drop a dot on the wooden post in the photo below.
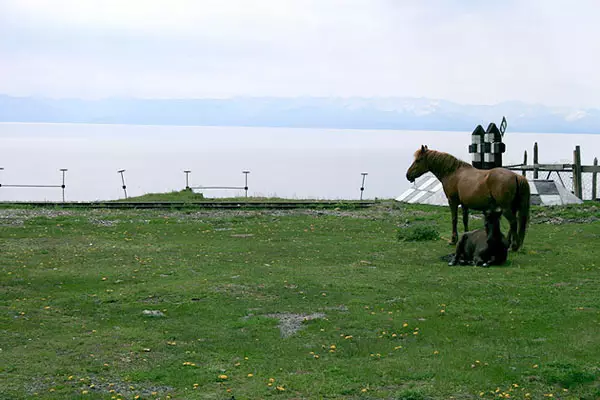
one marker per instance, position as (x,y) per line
(535,160)
(577,182)
(594,178)
(524,162)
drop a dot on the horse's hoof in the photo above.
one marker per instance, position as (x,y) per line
(485,265)
(451,264)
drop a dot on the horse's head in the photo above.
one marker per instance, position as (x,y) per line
(419,165)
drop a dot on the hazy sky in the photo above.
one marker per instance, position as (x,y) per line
(469,51)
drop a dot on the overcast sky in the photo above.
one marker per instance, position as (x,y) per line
(469,51)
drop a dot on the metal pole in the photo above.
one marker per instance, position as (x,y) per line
(362,186)
(63,170)
(187,182)
(246,181)
(1,169)
(123,180)
(524,173)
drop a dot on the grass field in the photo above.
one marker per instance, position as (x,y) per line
(302,304)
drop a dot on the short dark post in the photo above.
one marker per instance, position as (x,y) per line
(577,184)
(187,182)
(524,163)
(362,186)
(535,161)
(246,181)
(1,169)
(123,180)
(63,170)
(594,178)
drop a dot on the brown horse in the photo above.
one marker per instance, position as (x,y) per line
(476,189)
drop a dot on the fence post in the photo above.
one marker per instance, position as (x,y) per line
(524,163)
(577,182)
(535,161)
(594,177)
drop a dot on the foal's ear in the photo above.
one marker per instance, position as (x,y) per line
(423,148)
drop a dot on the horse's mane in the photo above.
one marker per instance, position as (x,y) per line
(441,163)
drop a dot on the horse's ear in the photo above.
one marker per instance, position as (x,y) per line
(423,148)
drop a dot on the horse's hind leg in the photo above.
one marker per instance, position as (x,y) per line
(454,211)
(465,215)
(513,237)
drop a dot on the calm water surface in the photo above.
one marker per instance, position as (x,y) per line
(284,162)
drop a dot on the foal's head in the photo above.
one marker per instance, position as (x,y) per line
(492,223)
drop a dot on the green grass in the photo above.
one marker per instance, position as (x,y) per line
(191,196)
(399,323)
(181,195)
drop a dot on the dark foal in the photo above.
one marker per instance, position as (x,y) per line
(483,247)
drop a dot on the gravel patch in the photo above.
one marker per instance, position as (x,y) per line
(289,323)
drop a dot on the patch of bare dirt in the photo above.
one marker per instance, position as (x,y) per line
(290,323)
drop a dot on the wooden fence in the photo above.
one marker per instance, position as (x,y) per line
(576,169)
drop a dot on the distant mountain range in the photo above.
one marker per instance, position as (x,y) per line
(306,112)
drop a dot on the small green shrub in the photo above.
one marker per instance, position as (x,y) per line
(411,395)
(417,233)
(567,375)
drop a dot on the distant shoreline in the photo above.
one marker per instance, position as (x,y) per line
(285,127)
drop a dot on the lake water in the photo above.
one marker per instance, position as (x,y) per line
(284,162)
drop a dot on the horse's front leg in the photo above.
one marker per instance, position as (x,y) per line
(454,211)
(465,214)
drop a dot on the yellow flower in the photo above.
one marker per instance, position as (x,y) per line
(280,388)
(364,390)
(535,365)
(404,325)
(348,337)
(271,380)
(223,376)
(332,347)
(436,352)
(250,375)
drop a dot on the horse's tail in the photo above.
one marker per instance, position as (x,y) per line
(521,205)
